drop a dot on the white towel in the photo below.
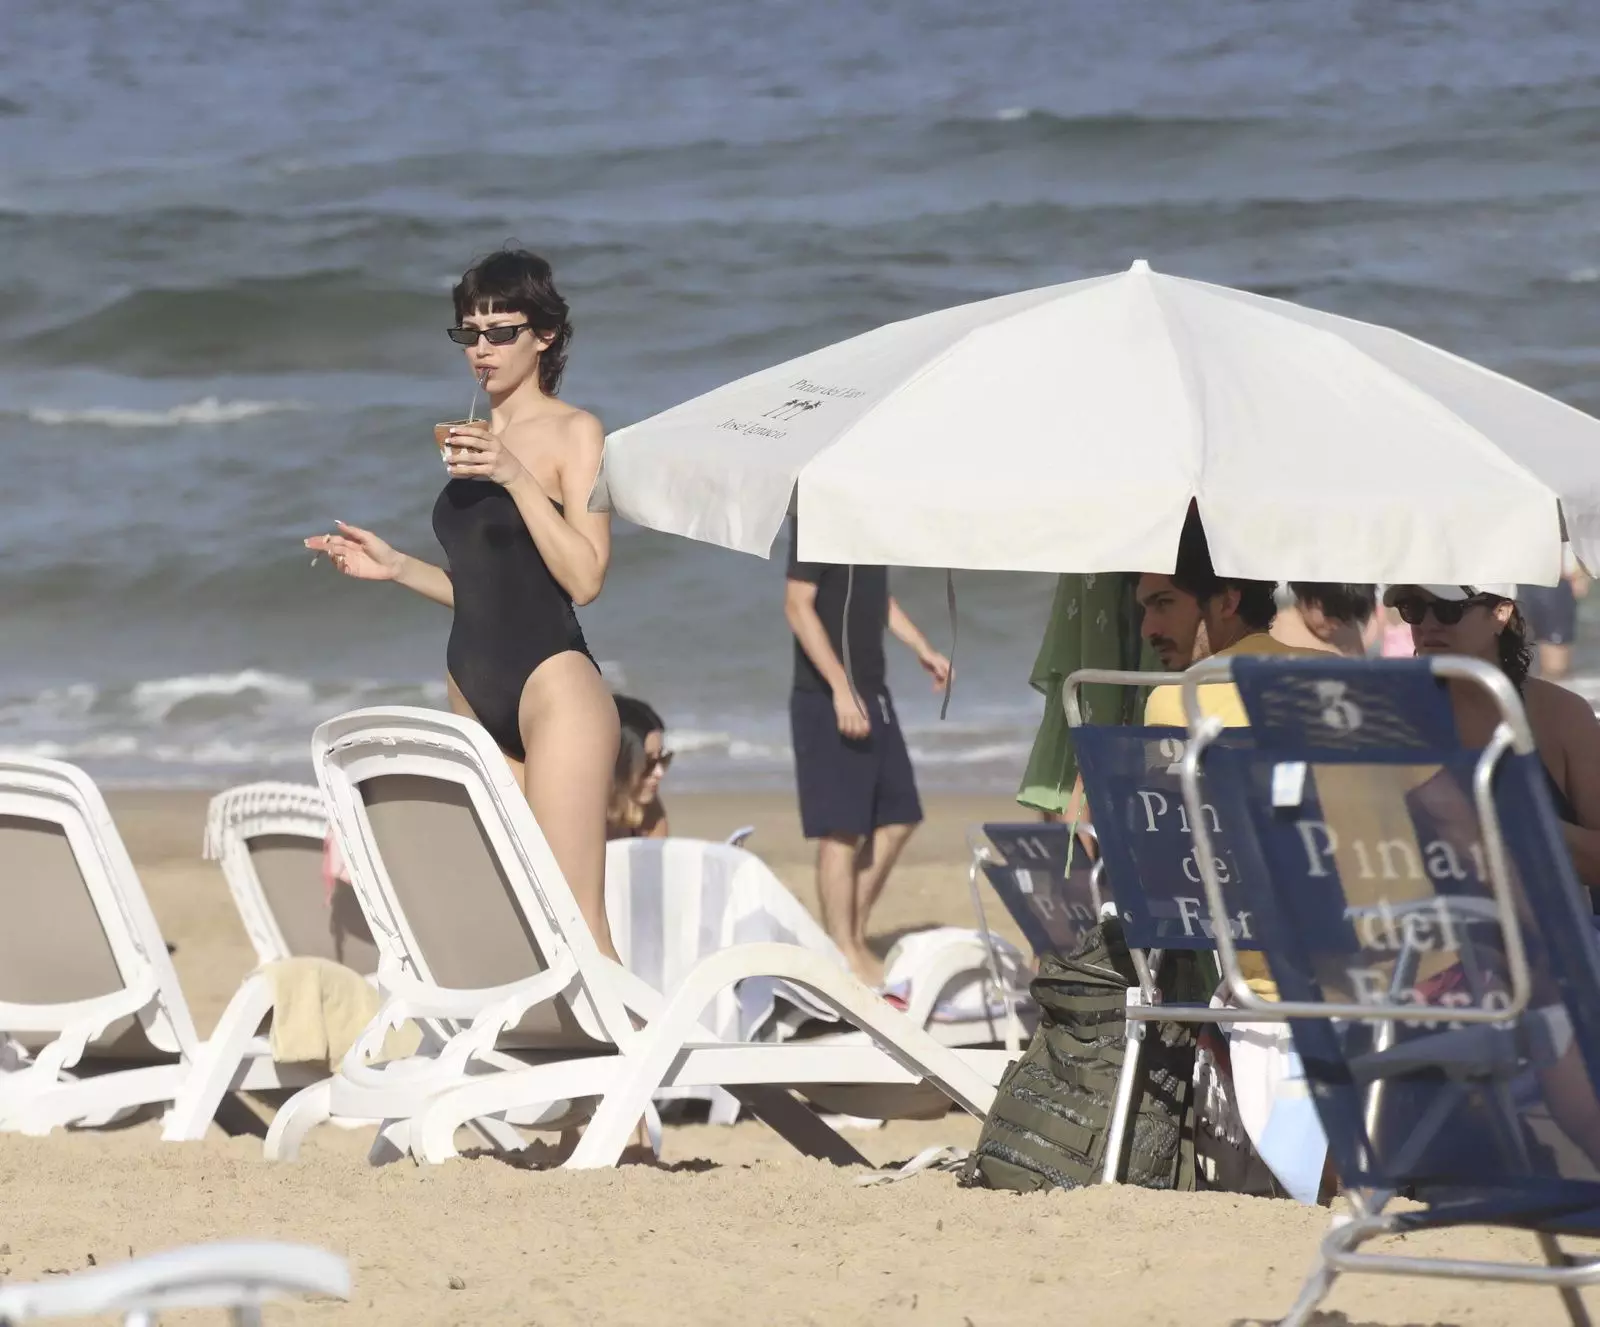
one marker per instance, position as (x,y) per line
(1275,1106)
(672,902)
(968,994)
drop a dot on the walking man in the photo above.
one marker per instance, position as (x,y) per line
(858,796)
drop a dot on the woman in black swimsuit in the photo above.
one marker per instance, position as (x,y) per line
(522,548)
(1480,622)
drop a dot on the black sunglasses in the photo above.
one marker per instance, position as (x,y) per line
(1446,612)
(661,762)
(495,336)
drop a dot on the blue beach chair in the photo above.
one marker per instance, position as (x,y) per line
(1045,886)
(1432,949)
(1131,776)
(1043,879)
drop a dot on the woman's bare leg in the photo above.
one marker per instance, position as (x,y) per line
(570,731)
(568,1141)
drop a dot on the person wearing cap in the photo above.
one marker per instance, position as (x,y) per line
(1484,622)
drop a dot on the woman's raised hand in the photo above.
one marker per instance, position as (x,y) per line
(475,451)
(359,553)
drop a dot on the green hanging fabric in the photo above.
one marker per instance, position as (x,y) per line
(1094,623)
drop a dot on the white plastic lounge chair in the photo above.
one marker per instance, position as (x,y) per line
(239,1276)
(481,940)
(89,1000)
(675,901)
(268,839)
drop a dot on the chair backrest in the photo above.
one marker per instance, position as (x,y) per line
(1383,874)
(76,930)
(1132,781)
(456,877)
(269,839)
(1044,881)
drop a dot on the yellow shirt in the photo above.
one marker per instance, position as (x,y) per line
(1164,709)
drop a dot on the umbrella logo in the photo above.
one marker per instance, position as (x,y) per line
(1340,714)
(790,409)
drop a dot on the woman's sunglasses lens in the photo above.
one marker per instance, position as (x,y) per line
(495,336)
(1446,612)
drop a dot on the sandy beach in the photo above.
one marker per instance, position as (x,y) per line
(732,1228)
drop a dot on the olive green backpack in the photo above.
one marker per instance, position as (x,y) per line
(1048,1126)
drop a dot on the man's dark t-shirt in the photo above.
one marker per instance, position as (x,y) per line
(869,618)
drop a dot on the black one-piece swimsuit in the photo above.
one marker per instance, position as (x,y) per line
(511,614)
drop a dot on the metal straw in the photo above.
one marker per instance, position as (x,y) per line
(478,380)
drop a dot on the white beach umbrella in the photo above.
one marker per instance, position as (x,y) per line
(1068,428)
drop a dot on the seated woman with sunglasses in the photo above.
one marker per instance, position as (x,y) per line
(522,548)
(639,785)
(635,810)
(1483,622)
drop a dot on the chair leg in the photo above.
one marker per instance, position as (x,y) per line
(1314,1290)
(498,1134)
(70,1101)
(1122,1104)
(799,1126)
(297,1117)
(392,1144)
(724,1107)
(217,1062)
(607,1134)
(1550,1246)
(434,1126)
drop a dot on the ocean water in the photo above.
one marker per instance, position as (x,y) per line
(228,230)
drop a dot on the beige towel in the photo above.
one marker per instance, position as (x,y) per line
(319,1008)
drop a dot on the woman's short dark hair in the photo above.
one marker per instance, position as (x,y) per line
(638,717)
(516,281)
(1195,575)
(1342,603)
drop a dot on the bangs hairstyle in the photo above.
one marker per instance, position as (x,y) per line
(517,281)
